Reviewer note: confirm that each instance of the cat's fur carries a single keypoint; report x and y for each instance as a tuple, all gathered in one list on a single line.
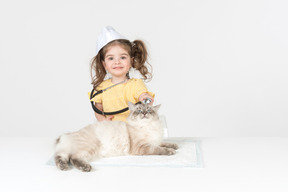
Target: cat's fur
[(142, 134)]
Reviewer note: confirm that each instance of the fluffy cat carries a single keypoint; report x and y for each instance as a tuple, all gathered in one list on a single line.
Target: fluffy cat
[(142, 134)]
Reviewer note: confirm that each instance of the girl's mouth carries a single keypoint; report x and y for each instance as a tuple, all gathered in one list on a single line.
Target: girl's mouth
[(117, 68)]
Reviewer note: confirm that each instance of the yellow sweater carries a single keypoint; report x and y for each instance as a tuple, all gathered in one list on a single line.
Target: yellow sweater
[(117, 97)]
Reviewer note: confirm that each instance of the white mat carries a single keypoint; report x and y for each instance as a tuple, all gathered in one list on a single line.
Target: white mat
[(188, 155)]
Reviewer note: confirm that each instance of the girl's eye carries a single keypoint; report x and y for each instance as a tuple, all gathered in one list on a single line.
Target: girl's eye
[(123, 57), (110, 58)]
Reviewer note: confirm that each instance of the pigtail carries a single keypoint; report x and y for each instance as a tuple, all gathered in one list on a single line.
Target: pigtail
[(98, 68), (140, 55)]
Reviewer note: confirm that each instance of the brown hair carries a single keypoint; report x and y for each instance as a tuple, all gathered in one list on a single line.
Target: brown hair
[(136, 50)]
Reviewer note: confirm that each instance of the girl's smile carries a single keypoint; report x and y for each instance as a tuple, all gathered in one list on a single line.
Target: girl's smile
[(118, 68)]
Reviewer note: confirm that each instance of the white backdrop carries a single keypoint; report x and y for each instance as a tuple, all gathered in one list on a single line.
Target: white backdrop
[(220, 67)]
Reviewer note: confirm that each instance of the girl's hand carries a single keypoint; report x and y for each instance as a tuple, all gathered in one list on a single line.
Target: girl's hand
[(144, 96), (102, 117), (109, 118)]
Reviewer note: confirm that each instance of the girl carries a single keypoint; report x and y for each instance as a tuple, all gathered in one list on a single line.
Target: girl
[(116, 56)]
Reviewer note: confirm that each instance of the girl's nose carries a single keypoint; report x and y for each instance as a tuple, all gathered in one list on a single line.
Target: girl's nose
[(117, 60)]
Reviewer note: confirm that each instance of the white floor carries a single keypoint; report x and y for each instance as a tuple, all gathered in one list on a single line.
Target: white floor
[(230, 164)]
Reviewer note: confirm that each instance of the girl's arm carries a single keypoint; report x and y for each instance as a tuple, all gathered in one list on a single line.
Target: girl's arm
[(102, 117)]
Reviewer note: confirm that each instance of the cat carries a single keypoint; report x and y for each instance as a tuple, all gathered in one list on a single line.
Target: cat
[(141, 134)]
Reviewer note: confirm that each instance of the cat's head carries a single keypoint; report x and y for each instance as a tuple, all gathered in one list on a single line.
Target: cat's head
[(143, 111)]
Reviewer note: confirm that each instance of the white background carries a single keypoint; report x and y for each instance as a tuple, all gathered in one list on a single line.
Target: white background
[(220, 67)]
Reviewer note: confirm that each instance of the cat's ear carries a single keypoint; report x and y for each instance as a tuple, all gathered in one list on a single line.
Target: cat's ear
[(131, 106), (156, 108)]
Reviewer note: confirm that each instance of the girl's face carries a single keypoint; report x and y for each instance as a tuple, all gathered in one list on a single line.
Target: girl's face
[(117, 61)]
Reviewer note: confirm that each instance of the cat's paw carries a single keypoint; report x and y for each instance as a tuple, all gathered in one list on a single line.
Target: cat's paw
[(170, 151), (81, 165), (170, 145), (61, 163), (174, 146), (86, 168), (63, 166)]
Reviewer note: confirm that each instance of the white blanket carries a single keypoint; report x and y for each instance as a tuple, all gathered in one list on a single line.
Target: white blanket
[(188, 155)]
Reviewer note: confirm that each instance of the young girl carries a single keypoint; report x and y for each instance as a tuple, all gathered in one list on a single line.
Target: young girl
[(116, 55)]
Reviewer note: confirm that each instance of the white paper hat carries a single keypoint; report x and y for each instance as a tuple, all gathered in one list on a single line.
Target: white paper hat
[(107, 35)]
